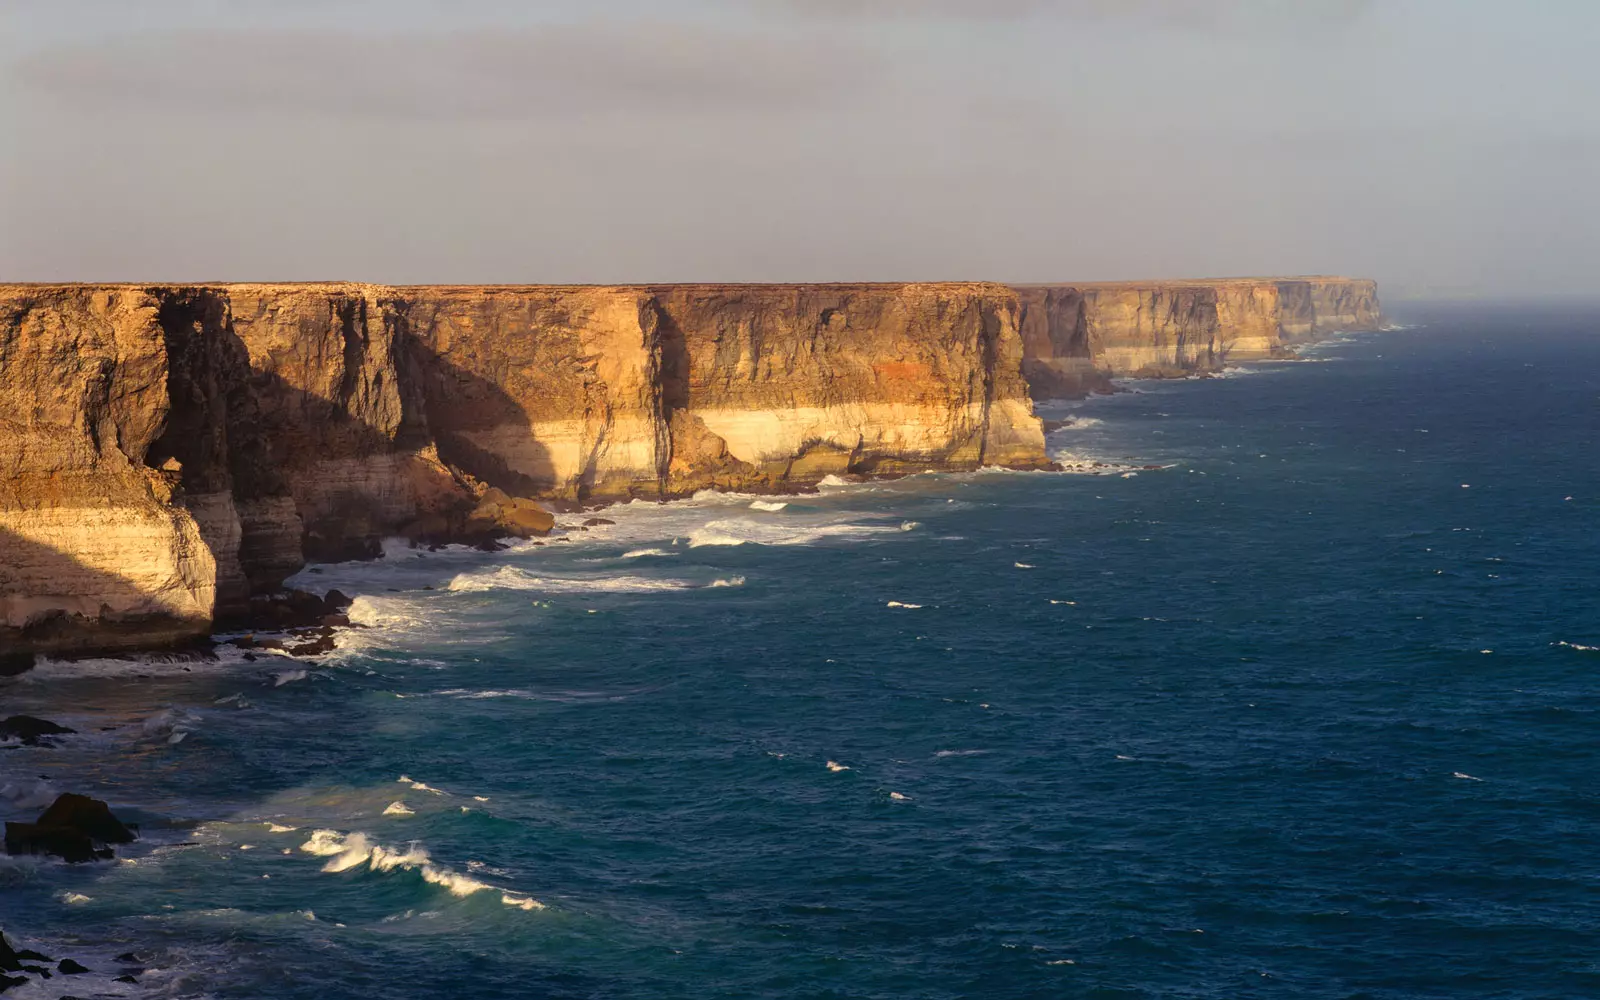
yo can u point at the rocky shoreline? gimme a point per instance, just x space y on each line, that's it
170 454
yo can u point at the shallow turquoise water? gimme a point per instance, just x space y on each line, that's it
1307 713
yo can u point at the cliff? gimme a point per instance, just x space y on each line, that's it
168 451
1078 337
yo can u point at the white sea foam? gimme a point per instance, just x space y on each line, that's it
770 506
744 531
275 828
174 723
418 785
959 753
1577 646
398 808
75 898
1023 565
836 767
512 578
288 677
1464 777
347 851
28 793
644 553
902 604
732 581
897 797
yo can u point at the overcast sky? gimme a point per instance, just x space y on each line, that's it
1441 146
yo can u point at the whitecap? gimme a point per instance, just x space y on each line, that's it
836 767
275 828
512 578
349 851
1577 646
1054 601
28 793
897 797
771 506
959 753
901 604
75 898
398 808
1464 777
743 531
417 785
643 553
288 677
1023 565
732 581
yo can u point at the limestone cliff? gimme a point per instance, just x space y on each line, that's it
166 451
1078 337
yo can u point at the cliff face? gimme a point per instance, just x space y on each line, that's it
1078 337
167 451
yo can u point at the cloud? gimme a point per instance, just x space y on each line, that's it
520 73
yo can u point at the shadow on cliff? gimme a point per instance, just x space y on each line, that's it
477 427
23 563
245 431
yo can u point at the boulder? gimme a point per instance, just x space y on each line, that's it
75 828
526 519
89 815
68 967
72 846
32 732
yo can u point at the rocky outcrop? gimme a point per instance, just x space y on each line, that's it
166 452
1078 337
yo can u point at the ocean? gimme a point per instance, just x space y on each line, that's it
1293 694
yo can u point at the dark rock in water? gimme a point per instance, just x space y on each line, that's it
315 648
70 968
29 955
129 956
68 844
12 664
38 970
125 979
32 732
596 521
75 828
10 960
336 601
6 982
91 816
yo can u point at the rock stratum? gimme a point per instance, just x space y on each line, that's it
170 452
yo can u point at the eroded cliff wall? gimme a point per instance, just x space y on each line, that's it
1078 337
169 450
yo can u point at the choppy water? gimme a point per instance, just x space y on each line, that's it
1310 713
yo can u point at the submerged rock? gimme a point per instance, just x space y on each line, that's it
75 828
31 731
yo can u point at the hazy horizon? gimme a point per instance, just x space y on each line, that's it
1445 149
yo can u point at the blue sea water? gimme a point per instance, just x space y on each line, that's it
1311 711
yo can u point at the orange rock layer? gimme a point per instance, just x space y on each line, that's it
166 451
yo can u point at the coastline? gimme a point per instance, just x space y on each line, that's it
293 670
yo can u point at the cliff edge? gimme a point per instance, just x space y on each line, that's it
168 451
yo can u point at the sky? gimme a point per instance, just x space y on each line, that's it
1445 147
